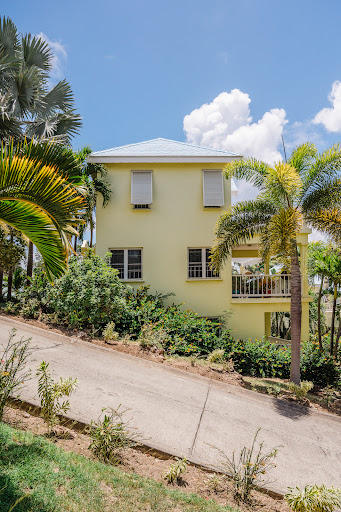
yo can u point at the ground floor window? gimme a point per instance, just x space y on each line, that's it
199 264
128 262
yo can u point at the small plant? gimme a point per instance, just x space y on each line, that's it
217 356
12 368
173 473
193 359
110 436
274 390
214 483
329 393
126 339
314 498
300 391
51 393
248 469
109 333
150 337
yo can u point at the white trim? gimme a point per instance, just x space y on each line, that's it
203 266
161 159
125 261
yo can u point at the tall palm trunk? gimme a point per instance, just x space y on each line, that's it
9 284
91 230
29 271
338 335
1 282
75 244
319 313
332 327
295 316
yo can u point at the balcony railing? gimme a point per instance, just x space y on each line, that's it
261 285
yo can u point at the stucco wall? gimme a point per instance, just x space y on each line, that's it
176 221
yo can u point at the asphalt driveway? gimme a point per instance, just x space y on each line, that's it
188 415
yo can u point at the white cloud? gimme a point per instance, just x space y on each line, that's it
59 56
226 123
331 117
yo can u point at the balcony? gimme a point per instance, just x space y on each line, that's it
261 285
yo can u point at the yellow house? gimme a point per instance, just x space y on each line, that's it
159 228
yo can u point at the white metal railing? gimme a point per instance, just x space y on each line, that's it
261 285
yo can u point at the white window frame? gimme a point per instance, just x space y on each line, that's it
125 261
133 172
222 202
203 264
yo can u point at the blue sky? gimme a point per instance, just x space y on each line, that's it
139 67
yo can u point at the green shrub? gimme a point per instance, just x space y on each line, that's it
12 368
50 394
151 337
300 391
217 356
173 474
110 436
314 498
109 333
87 296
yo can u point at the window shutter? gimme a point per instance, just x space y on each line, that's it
141 187
213 189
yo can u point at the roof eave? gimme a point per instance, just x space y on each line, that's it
102 159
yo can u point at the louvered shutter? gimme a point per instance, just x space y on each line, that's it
213 189
141 187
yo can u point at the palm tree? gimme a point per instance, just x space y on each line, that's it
28 105
38 201
94 178
306 189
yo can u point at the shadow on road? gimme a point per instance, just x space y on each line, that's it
292 411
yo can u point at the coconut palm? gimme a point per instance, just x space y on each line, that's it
305 189
38 201
29 106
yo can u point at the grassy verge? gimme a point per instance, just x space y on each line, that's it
49 479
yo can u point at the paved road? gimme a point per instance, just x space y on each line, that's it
184 414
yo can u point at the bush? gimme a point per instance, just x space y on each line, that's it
173 473
12 368
248 469
109 333
51 393
87 296
300 391
110 436
314 498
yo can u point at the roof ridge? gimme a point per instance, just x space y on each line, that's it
167 140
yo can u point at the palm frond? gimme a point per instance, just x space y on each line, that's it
60 97
326 220
327 195
36 52
9 38
283 182
282 230
250 169
325 167
303 157
237 225
37 226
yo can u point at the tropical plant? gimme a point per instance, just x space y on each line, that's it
248 470
29 106
110 436
94 177
50 394
174 471
38 201
305 189
300 391
314 498
12 367
12 250
109 333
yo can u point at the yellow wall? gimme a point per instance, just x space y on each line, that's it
177 221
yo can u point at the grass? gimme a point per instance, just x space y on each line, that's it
49 479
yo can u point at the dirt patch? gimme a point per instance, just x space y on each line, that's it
195 480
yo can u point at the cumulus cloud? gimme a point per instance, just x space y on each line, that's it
226 123
59 56
331 117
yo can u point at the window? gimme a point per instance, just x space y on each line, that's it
199 264
128 262
213 188
141 187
